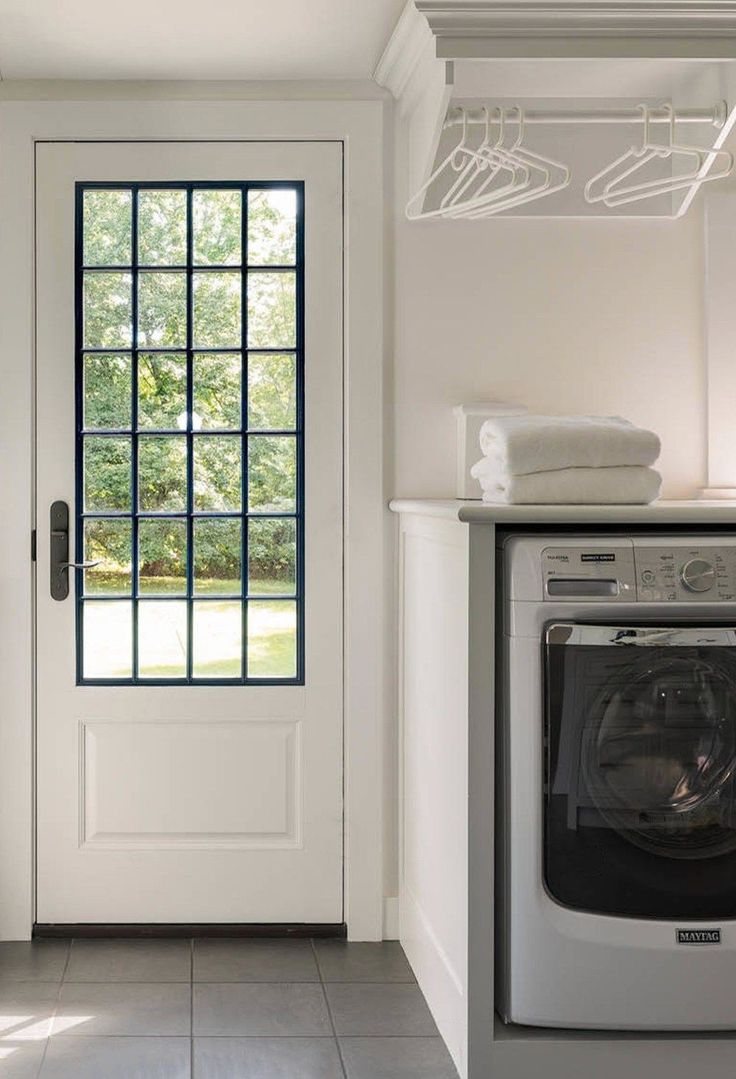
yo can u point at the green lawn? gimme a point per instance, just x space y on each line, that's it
108 583
217 633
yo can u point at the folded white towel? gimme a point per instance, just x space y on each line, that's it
630 485
527 443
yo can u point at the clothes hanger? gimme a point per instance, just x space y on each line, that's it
454 161
637 156
615 193
523 172
486 163
553 176
620 196
489 162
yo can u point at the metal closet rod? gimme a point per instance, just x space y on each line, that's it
715 115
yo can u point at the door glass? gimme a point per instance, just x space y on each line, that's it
658 752
189 376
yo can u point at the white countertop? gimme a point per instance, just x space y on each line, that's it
696 511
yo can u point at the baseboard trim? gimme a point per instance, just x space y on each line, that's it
194 929
391 918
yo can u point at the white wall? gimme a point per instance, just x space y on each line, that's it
561 315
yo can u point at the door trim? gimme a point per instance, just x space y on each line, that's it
359 126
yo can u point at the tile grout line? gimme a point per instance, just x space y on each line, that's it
56 1007
191 1008
329 1010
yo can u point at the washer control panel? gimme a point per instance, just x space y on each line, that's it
684 573
641 569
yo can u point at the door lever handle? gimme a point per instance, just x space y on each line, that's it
59 552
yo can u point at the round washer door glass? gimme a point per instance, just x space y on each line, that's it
658 751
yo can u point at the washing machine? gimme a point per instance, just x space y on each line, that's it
616 781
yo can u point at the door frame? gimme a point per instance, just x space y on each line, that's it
157 116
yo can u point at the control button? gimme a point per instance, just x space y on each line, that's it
697 575
648 576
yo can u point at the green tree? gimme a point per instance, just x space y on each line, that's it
162 376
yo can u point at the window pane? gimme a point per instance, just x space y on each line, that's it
162 557
162 390
272 473
107 390
107 228
271 556
216 217
162 310
216 316
108 639
218 639
162 472
190 389
217 390
272 227
162 228
106 473
217 476
271 391
162 639
107 310
107 542
271 639
271 310
217 556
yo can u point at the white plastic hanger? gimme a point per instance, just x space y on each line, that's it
551 176
636 157
526 176
456 161
615 193
496 158
481 170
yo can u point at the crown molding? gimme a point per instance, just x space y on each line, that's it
568 28
549 29
556 18
404 50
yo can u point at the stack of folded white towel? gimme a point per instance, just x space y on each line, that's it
567 459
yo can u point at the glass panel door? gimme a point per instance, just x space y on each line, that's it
189 684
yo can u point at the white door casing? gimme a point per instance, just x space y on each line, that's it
235 814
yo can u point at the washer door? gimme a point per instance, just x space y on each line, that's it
658 754
641 726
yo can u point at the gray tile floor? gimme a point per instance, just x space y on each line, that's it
214 1009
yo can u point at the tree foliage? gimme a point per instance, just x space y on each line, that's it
216 385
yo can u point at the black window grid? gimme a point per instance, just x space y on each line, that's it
190 515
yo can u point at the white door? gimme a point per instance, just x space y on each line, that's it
189 413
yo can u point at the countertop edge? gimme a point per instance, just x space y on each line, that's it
685 511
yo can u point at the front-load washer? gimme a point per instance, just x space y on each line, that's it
616 780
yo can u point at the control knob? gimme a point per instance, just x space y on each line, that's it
697 575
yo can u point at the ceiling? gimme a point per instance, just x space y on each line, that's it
181 39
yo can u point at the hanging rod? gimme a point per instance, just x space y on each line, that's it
715 116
